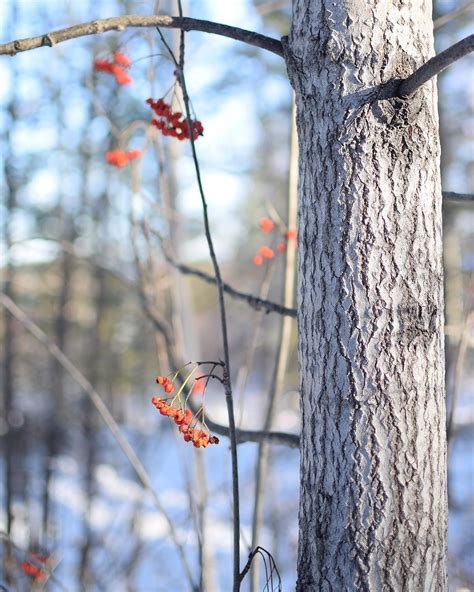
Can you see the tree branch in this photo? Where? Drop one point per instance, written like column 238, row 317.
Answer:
column 242, row 436
column 435, row 65
column 460, row 197
column 120, row 23
column 253, row 301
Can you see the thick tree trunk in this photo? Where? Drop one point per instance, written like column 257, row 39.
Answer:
column 373, row 464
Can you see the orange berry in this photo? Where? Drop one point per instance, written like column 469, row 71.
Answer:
column 266, row 252
column 121, row 59
column 161, row 379
column 169, row 388
column 188, row 416
column 198, row 386
column 133, row 154
column 121, row 77
column 266, row 225
column 257, row 260
column 290, row 233
column 116, row 158
column 281, row 247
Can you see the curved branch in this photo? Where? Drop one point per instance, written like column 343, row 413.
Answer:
column 435, row 65
column 120, row 23
column 460, row 197
column 254, row 301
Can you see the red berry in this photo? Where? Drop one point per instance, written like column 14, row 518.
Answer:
column 266, row 252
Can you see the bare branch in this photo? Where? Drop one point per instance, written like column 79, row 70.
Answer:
column 120, row 23
column 436, row 65
column 254, row 301
column 460, row 197
column 242, row 436
column 446, row 18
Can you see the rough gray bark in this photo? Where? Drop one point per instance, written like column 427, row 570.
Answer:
column 373, row 506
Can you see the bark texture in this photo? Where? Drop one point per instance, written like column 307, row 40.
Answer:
column 373, row 508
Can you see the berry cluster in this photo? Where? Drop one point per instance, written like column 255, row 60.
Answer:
column 166, row 383
column 33, row 570
column 182, row 417
column 121, row 158
column 116, row 68
column 265, row 252
column 173, row 124
column 199, row 438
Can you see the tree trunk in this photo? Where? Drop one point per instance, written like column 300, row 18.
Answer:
column 373, row 507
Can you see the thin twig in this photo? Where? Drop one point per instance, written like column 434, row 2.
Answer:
column 120, row 23
column 458, row 371
column 457, row 197
column 460, row 358
column 244, row 370
column 435, row 65
column 270, row 570
column 446, row 18
column 220, row 290
column 105, row 414
column 283, row 349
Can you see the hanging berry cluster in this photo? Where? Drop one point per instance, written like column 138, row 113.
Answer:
column 116, row 67
column 288, row 236
column 182, row 416
column 173, row 124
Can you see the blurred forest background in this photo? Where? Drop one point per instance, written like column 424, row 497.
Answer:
column 81, row 253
